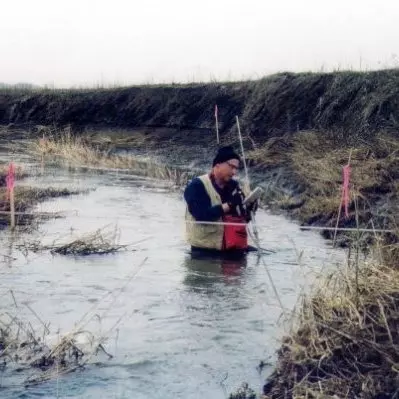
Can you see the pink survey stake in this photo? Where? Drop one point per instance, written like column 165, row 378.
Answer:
column 10, row 179
column 345, row 189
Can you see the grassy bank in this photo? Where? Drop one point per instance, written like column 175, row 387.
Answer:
column 315, row 161
column 345, row 337
column 357, row 103
column 345, row 340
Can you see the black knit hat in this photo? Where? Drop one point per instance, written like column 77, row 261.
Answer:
column 224, row 154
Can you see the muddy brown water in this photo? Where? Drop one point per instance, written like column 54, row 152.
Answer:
column 187, row 328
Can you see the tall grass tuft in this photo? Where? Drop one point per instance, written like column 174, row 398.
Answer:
column 81, row 152
column 315, row 161
column 346, row 339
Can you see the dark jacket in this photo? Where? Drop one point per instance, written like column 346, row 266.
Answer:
column 199, row 203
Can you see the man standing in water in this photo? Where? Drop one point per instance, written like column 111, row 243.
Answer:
column 216, row 217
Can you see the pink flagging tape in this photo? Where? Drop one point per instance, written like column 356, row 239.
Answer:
column 345, row 189
column 10, row 178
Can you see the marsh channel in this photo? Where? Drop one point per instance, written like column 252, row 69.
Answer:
column 176, row 327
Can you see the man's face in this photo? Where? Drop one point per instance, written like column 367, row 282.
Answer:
column 227, row 170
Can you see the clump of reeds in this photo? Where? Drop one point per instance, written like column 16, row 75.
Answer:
column 26, row 198
column 100, row 242
column 65, row 357
column 244, row 392
column 346, row 343
column 25, row 348
column 81, row 152
column 18, row 340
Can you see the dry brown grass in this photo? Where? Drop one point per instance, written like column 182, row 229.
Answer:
column 320, row 208
column 316, row 160
column 99, row 242
column 275, row 151
column 80, row 152
column 24, row 347
column 111, row 139
column 346, row 340
column 319, row 159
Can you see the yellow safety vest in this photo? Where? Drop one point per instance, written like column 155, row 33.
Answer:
column 205, row 235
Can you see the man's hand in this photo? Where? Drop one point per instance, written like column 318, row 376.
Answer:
column 226, row 207
column 235, row 203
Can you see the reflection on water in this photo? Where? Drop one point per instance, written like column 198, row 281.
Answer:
column 204, row 272
column 188, row 324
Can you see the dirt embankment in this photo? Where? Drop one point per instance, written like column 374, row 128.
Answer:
column 358, row 103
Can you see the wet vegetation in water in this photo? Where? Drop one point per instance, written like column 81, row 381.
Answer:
column 100, row 242
column 32, row 353
column 26, row 198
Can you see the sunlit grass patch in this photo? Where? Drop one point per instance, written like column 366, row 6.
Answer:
column 81, row 152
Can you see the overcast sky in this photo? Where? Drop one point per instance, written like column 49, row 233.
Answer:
column 107, row 42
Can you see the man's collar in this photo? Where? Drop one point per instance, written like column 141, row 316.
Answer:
column 213, row 180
